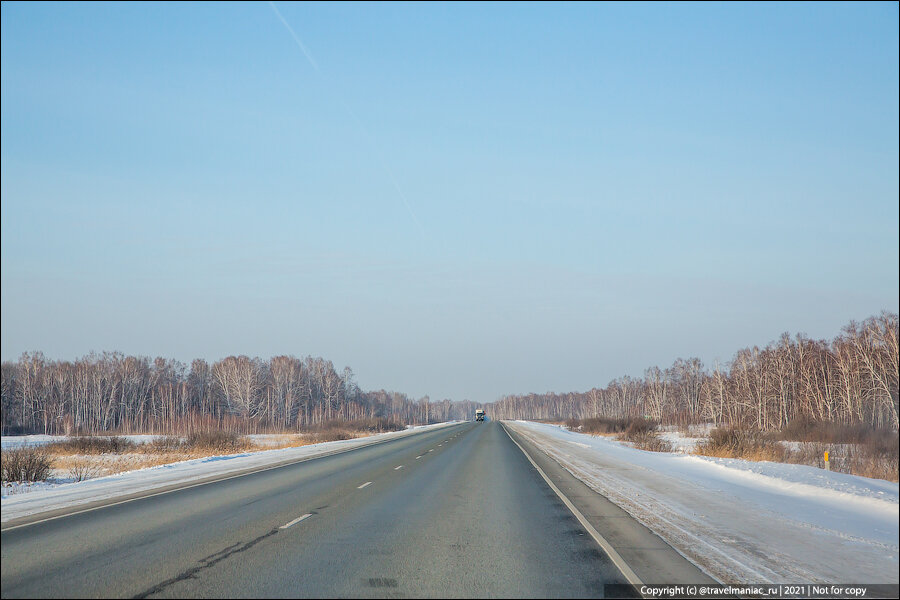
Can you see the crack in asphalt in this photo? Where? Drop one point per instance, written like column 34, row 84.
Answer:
column 205, row 563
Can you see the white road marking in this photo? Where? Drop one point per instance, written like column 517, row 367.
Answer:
column 295, row 521
column 363, row 485
column 420, row 456
column 616, row 558
column 398, row 468
column 432, row 450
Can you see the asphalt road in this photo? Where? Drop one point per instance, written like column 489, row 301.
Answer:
column 454, row 512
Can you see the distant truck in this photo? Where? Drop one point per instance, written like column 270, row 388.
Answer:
column 479, row 414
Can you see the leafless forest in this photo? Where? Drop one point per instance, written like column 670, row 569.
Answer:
column 111, row 392
column 851, row 380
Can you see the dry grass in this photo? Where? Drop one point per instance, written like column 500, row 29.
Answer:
column 87, row 457
column 279, row 441
column 80, row 467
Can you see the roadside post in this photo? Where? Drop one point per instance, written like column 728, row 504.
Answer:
column 827, row 464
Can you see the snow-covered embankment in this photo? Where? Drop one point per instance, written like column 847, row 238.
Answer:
column 742, row 521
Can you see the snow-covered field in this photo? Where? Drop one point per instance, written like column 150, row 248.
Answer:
column 10, row 442
column 52, row 496
column 741, row 521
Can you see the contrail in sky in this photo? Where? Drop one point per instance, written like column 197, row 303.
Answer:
column 294, row 35
column 353, row 116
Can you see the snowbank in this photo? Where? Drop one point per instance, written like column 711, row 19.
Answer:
column 741, row 521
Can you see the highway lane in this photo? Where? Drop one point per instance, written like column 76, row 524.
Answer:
column 454, row 512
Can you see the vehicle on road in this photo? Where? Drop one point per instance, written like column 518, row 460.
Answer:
column 479, row 414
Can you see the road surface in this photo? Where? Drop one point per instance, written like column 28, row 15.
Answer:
column 454, row 512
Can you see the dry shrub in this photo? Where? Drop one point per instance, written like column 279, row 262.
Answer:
column 92, row 445
column 829, row 432
column 877, row 462
column 374, row 425
column 165, row 444
column 643, row 434
column 331, row 435
column 598, row 425
column 749, row 444
column 335, row 429
column 222, row 442
column 652, row 442
column 82, row 468
column 25, row 465
column 856, row 449
column 870, row 459
column 202, row 442
column 639, row 427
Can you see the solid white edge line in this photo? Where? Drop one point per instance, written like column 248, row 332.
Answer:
column 359, row 487
column 198, row 484
column 295, row 521
column 616, row 558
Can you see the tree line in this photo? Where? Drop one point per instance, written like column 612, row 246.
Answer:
column 130, row 394
column 850, row 380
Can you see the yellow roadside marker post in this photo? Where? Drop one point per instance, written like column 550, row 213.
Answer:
column 827, row 464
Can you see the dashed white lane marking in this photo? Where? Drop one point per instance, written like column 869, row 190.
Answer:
column 359, row 487
column 398, row 468
column 295, row 521
column 432, row 450
column 419, row 456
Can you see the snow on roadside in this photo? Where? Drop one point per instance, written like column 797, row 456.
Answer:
column 686, row 444
column 45, row 497
column 741, row 521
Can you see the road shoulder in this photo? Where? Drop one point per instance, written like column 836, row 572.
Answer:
column 651, row 559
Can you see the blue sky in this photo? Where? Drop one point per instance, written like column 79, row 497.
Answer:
column 460, row 200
